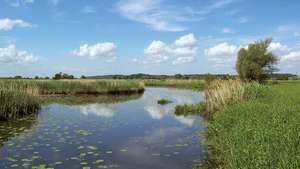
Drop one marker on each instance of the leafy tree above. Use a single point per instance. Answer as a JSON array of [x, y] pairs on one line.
[[256, 62], [57, 76]]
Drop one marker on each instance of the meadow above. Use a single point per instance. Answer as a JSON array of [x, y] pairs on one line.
[[262, 132]]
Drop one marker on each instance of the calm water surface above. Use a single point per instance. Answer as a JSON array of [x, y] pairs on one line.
[[132, 134]]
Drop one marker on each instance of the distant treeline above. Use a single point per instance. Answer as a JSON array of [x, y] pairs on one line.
[[279, 76], [57, 76], [149, 76]]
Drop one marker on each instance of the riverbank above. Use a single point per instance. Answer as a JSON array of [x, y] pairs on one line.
[[257, 132], [19, 98]]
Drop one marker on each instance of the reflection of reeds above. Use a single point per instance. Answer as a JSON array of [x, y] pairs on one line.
[[11, 129], [18, 98]]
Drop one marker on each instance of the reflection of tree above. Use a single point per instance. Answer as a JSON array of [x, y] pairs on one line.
[[83, 100], [11, 129]]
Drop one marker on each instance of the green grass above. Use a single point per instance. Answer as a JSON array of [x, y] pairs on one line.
[[261, 132], [174, 83]]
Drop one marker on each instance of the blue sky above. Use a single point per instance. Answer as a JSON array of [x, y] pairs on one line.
[[95, 37]]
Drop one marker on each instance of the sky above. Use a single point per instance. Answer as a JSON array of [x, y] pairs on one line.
[[99, 37]]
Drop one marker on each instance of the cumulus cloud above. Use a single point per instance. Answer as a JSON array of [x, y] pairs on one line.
[[99, 50], [8, 24], [11, 54], [225, 54], [292, 56], [183, 50], [278, 48], [222, 55], [221, 50]]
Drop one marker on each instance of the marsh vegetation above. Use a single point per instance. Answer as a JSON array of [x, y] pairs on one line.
[[21, 97]]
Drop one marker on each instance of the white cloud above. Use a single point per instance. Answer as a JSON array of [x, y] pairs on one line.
[[292, 56], [183, 50], [157, 51], [278, 49], [8, 24], [221, 50], [165, 17], [106, 49], [188, 40], [152, 13], [227, 30], [297, 34], [88, 10], [222, 55], [11, 54]]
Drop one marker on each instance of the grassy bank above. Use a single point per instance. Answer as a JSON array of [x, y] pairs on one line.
[[19, 98], [174, 83], [256, 129]]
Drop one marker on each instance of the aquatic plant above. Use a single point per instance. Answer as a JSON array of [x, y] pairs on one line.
[[164, 101], [17, 100]]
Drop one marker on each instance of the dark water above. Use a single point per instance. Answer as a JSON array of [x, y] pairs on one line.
[[132, 134]]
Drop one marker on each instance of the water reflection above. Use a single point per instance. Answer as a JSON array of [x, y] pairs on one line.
[[129, 132], [101, 110], [178, 97], [11, 129]]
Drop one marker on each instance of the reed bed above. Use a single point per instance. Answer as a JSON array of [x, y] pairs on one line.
[[175, 83], [221, 93], [96, 87], [19, 98]]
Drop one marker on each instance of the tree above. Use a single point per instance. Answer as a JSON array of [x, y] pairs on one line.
[[57, 76], [255, 63]]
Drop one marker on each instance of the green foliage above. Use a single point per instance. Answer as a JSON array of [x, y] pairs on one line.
[[260, 133], [164, 101], [61, 75], [186, 110], [256, 62]]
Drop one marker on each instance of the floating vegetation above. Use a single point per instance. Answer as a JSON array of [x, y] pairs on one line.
[[164, 101]]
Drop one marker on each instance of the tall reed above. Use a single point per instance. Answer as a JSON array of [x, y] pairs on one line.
[[221, 93], [17, 100]]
